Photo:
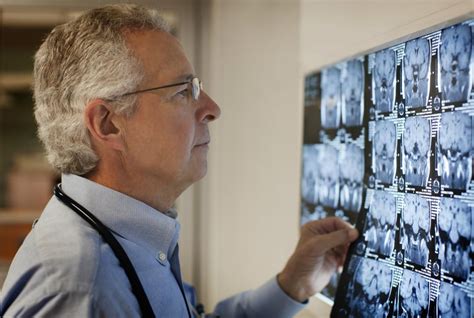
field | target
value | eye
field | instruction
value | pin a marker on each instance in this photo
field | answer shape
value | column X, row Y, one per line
column 182, row 93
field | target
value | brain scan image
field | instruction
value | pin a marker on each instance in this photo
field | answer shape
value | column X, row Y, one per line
column 385, row 146
column 456, row 233
column 310, row 173
column 416, row 229
column 414, row 295
column 453, row 302
column 416, row 150
column 328, row 180
column 352, row 170
column 330, row 97
column 379, row 227
column 454, row 149
column 384, row 80
column 370, row 289
column 416, row 71
column 308, row 215
column 454, row 58
column 353, row 94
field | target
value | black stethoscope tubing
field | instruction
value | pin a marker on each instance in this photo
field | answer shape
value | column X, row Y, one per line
column 137, row 288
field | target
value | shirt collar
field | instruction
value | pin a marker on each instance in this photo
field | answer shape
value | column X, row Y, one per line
column 124, row 215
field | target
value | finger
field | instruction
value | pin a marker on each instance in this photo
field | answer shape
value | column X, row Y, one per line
column 340, row 252
column 327, row 225
column 335, row 239
column 344, row 255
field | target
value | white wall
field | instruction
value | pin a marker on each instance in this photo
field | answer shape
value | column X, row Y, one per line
column 250, row 196
column 255, row 56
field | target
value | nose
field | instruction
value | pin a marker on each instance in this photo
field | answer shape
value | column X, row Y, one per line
column 208, row 109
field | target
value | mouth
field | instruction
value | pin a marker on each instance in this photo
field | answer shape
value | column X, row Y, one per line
column 203, row 144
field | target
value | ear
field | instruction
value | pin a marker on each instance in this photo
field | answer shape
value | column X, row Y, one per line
column 104, row 125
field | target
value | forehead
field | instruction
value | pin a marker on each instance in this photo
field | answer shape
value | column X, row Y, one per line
column 162, row 55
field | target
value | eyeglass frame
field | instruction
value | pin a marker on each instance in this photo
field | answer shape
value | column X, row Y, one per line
column 195, row 82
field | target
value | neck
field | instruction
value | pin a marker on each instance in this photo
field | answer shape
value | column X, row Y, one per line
column 147, row 190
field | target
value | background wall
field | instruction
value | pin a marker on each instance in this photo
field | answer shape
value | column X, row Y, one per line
column 250, row 196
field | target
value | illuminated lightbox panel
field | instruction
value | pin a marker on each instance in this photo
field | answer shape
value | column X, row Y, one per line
column 388, row 146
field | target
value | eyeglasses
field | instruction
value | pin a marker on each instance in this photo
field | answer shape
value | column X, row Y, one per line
column 196, row 88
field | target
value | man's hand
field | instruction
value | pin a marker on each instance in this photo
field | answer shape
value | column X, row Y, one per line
column 320, row 251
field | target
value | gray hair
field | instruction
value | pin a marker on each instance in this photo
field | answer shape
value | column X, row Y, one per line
column 79, row 61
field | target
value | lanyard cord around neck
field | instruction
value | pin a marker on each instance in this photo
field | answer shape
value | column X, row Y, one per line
column 118, row 250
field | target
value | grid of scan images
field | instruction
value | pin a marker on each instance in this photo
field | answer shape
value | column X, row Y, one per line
column 388, row 146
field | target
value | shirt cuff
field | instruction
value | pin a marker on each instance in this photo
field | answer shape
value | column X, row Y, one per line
column 276, row 302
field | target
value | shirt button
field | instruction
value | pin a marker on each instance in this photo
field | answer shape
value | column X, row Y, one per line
column 161, row 257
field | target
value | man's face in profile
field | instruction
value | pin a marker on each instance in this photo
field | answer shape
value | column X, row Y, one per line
column 167, row 137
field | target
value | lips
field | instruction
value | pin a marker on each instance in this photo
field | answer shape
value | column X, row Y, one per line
column 204, row 143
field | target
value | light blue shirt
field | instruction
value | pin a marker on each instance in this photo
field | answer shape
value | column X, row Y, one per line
column 64, row 268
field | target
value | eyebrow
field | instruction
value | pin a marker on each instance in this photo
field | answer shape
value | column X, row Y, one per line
column 185, row 77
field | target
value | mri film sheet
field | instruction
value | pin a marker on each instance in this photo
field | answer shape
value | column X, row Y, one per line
column 454, row 150
column 416, row 151
column 351, row 163
column 366, row 289
column 328, row 181
column 384, row 148
column 416, row 229
column 331, row 98
column 310, row 173
column 454, row 63
column 413, row 295
column 353, row 93
column 416, row 71
column 379, row 230
column 455, row 224
column 384, row 78
column 392, row 147
column 453, row 302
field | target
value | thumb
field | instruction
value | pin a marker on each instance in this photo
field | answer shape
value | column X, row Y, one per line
column 335, row 239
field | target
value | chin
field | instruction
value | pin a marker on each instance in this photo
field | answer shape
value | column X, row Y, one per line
column 202, row 173
column 199, row 172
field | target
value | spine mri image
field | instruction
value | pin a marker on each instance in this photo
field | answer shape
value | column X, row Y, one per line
column 388, row 146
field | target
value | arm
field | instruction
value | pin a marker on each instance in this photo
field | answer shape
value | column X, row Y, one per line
column 321, row 249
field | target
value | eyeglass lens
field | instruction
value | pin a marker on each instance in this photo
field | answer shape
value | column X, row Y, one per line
column 197, row 86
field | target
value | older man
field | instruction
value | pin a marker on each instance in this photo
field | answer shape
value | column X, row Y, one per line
column 124, row 118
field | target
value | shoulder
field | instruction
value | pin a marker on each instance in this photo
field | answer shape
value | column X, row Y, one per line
column 61, row 253
column 66, row 246
column 64, row 264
